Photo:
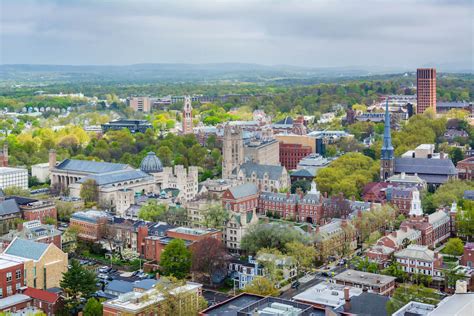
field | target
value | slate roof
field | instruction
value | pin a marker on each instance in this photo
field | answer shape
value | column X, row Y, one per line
column 367, row 304
column 274, row 172
column 26, row 249
column 116, row 176
column 423, row 166
column 21, row 200
column 416, row 252
column 119, row 286
column 88, row 166
column 302, row 173
column 243, row 190
column 286, row 120
column 279, row 197
column 8, row 207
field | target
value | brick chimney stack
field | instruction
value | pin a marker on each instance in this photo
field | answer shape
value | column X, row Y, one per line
column 52, row 159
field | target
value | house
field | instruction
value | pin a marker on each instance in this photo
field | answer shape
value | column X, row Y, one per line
column 465, row 168
column 241, row 198
column 33, row 230
column 236, row 228
column 373, row 283
column 467, row 258
column 50, row 303
column 44, row 264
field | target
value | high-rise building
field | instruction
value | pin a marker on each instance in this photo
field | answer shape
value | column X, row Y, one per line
column 140, row 104
column 187, row 116
column 232, row 150
column 425, row 89
column 387, row 158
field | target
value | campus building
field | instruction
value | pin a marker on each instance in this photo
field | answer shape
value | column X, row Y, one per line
column 425, row 89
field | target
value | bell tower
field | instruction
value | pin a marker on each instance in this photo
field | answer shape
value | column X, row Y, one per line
column 187, row 116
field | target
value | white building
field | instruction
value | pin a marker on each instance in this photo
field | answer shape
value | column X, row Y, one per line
column 13, row 177
column 40, row 171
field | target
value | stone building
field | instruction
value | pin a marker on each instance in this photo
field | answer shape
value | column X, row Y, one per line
column 9, row 214
column 13, row 177
column 267, row 178
column 335, row 239
column 232, row 150
column 236, row 228
column 44, row 264
column 264, row 152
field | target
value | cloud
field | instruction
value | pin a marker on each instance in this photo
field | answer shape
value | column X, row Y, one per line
column 311, row 33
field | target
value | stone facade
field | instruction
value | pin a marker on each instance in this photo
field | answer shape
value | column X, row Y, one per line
column 232, row 150
column 187, row 116
column 263, row 152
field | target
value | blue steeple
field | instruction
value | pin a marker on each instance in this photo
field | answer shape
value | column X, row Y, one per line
column 387, row 148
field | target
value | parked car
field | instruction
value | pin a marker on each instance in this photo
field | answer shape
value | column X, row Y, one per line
column 295, row 285
column 104, row 269
column 325, row 274
column 103, row 276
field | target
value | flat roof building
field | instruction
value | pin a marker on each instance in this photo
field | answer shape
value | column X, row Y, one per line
column 376, row 283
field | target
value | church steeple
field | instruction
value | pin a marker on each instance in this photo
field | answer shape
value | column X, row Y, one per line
column 387, row 157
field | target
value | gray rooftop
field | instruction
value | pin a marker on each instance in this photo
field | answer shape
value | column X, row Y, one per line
column 88, row 166
column 26, row 249
column 364, row 278
column 116, row 176
column 243, row 190
column 232, row 306
column 8, row 207
column 274, row 172
column 430, row 170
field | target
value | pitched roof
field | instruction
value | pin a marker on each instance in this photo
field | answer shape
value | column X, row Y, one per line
column 116, row 176
column 367, row 304
column 243, row 190
column 274, row 172
column 302, row 173
column 41, row 295
column 416, row 252
column 88, row 166
column 8, row 207
column 425, row 166
column 26, row 249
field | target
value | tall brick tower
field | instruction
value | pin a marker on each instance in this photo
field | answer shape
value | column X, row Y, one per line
column 425, row 89
column 187, row 116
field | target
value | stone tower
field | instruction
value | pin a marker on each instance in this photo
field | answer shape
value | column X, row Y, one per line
column 415, row 207
column 387, row 159
column 232, row 150
column 187, row 116
column 4, row 155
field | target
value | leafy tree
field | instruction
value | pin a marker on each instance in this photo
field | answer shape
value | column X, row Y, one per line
column 270, row 236
column 208, row 256
column 261, row 286
column 89, row 191
column 50, row 220
column 176, row 259
column 395, row 270
column 465, row 220
column 93, row 307
column 152, row 211
column 65, row 210
column 305, row 255
column 177, row 302
column 407, row 293
column 454, row 247
column 348, row 174
column 78, row 283
column 17, row 191
column 303, row 185
column 456, row 155
column 215, row 216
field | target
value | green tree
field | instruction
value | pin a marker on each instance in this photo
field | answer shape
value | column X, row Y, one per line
column 303, row 185
column 215, row 216
column 395, row 270
column 16, row 191
column 456, row 155
column 93, row 307
column 407, row 293
column 270, row 236
column 261, row 286
column 465, row 220
column 77, row 283
column 176, row 259
column 89, row 191
column 454, row 247
column 305, row 255
column 152, row 211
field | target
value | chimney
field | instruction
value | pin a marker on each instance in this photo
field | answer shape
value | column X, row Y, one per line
column 5, row 154
column 346, row 294
column 52, row 159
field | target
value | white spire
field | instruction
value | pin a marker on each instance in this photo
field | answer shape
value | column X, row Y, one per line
column 415, row 209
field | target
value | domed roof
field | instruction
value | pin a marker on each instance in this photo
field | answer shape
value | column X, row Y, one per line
column 151, row 163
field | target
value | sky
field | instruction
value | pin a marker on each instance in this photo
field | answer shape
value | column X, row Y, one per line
column 318, row 33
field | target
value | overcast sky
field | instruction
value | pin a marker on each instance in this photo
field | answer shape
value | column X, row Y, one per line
column 320, row 33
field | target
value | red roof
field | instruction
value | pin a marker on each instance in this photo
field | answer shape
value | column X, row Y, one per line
column 41, row 295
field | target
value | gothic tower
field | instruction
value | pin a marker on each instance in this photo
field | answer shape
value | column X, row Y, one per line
column 187, row 116
column 232, row 150
column 387, row 157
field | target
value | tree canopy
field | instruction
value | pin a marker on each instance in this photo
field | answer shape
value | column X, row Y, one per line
column 78, row 283
column 176, row 259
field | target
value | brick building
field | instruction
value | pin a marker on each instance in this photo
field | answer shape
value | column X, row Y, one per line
column 467, row 258
column 241, row 198
column 375, row 283
column 91, row 224
column 465, row 169
column 11, row 276
column 33, row 209
column 9, row 214
column 336, row 239
column 425, row 89
column 419, row 259
column 14, row 303
column 291, row 154
column 50, row 303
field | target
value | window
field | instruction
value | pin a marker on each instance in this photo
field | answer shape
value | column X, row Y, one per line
column 9, row 290
column 9, row 276
column 1, row 292
column 18, row 274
